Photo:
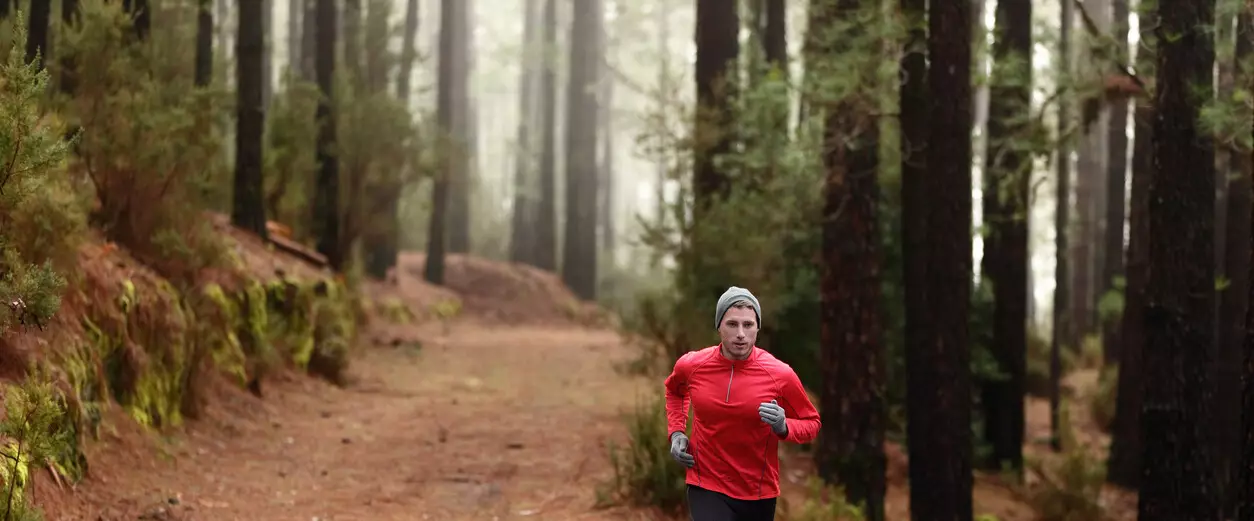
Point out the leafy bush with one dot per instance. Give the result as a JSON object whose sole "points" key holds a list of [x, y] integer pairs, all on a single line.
{"points": [[33, 433], [644, 473], [1103, 400], [1071, 485], [39, 219], [152, 145], [822, 503]]}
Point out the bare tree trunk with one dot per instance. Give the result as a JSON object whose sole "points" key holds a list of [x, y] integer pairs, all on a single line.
{"points": [[248, 210], [1006, 199], [1124, 463], [326, 207], [938, 368], [522, 238], [579, 259], [546, 214], [1178, 472]]}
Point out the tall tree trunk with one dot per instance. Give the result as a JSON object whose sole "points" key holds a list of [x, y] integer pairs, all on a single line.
{"points": [[6, 6], [938, 369], [1178, 475], [267, 52], [851, 357], [579, 259], [69, 69], [458, 216], [295, 14], [204, 43], [775, 35], [1116, 177], [522, 238], [451, 86], [718, 51], [546, 211], [1235, 298], [1124, 464], [354, 57], [606, 168], [1063, 329], [1006, 198], [141, 13], [326, 207], [37, 33], [383, 247], [309, 41], [248, 211]]}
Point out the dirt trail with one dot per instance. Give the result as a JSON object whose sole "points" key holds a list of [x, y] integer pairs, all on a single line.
{"points": [[484, 423]]}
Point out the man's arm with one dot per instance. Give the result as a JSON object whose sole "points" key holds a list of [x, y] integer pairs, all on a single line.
{"points": [[677, 397], [802, 417]]}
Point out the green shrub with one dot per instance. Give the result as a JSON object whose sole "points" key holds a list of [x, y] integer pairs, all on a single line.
{"points": [[644, 473], [1103, 400]]}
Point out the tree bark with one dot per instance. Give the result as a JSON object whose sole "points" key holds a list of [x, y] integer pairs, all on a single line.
{"points": [[938, 392], [326, 207], [718, 51], [1124, 464], [546, 211], [1178, 475], [1006, 199], [1116, 177], [579, 259], [37, 32], [850, 448], [248, 210]]}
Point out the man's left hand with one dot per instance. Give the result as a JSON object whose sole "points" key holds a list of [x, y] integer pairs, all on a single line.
{"points": [[772, 414]]}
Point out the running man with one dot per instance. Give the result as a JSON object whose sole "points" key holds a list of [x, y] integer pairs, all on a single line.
{"points": [[745, 401]]}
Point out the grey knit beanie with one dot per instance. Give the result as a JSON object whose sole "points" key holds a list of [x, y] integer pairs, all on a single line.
{"points": [[732, 295]]}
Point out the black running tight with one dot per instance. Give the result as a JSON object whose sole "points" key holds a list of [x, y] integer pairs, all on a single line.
{"points": [[707, 505]]}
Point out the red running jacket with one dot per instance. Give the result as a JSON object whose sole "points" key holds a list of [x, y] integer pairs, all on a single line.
{"points": [[736, 453]]}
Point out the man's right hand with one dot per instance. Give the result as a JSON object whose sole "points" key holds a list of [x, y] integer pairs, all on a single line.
{"points": [[679, 450]]}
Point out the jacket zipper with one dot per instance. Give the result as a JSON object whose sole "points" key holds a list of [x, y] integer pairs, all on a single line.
{"points": [[727, 399]]}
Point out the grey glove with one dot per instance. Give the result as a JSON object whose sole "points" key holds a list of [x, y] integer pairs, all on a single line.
{"points": [[772, 414], [679, 450]]}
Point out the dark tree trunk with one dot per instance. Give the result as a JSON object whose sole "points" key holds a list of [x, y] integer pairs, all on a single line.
{"points": [[1236, 298], [938, 368], [1116, 177], [1178, 474], [1124, 465], [6, 6], [354, 57], [775, 34], [605, 217], [579, 252], [718, 49], [37, 33], [457, 217], [546, 212], [204, 42], [522, 238], [1063, 329], [309, 41], [295, 15], [142, 16], [449, 87], [69, 69], [851, 445], [383, 247], [326, 207], [248, 210], [1006, 198], [914, 198]]}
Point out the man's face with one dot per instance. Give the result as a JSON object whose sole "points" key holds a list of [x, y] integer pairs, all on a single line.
{"points": [[738, 332]]}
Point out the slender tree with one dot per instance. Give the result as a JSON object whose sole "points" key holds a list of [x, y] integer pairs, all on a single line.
{"points": [[326, 207], [938, 368], [248, 209], [1007, 173]]}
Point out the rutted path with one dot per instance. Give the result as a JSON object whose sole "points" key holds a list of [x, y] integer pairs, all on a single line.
{"points": [[484, 423]]}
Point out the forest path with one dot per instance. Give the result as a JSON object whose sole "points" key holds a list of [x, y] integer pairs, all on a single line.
{"points": [[490, 423]]}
